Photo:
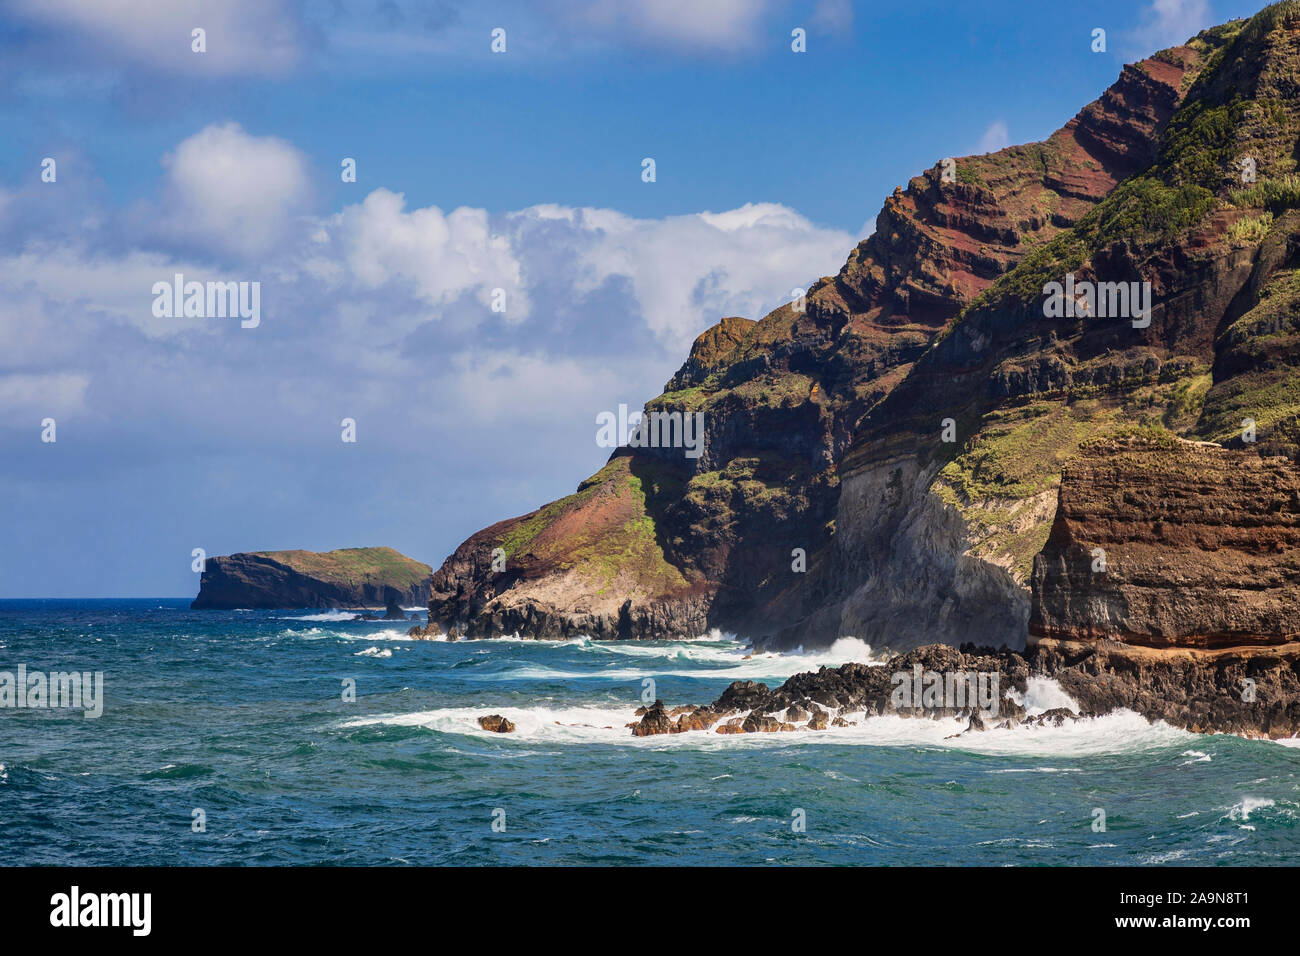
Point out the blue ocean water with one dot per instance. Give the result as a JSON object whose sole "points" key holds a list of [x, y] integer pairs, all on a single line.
{"points": [[241, 714]]}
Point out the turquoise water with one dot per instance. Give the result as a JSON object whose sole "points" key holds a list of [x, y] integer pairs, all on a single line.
{"points": [[240, 714]]}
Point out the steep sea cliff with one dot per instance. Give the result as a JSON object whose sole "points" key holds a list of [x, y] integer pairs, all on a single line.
{"points": [[905, 428]]}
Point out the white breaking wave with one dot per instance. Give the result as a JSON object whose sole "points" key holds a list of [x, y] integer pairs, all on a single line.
{"points": [[1241, 812], [375, 652], [324, 616], [735, 662], [1120, 732], [1043, 694], [321, 634], [508, 639]]}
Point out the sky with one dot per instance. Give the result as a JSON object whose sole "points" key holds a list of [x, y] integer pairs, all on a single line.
{"points": [[500, 271]]}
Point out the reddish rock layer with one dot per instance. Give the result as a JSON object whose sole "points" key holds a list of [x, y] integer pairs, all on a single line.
{"points": [[1166, 543]]}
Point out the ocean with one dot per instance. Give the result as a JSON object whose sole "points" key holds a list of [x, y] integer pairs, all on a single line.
{"points": [[226, 738]]}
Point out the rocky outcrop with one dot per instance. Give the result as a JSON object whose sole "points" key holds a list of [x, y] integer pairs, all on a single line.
{"points": [[350, 577], [1166, 543], [496, 724], [588, 564], [1253, 692]]}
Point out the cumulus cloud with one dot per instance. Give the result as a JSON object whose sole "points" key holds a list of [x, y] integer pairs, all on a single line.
{"points": [[231, 191], [441, 256], [391, 304], [685, 272]]}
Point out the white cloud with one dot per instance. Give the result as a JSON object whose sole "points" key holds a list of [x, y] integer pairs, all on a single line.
{"points": [[243, 36], [86, 287], [442, 255], [996, 137], [378, 312], [1167, 23], [715, 24], [683, 272], [232, 191], [686, 272], [27, 398]]}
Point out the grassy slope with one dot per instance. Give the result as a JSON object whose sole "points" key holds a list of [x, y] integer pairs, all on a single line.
{"points": [[602, 531], [353, 566]]}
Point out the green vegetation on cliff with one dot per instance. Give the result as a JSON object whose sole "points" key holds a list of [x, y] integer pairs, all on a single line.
{"points": [[1055, 387], [355, 566], [606, 532]]}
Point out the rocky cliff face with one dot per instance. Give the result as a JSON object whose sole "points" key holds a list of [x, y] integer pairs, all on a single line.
{"points": [[660, 545], [883, 459], [950, 487], [1164, 543], [351, 577]]}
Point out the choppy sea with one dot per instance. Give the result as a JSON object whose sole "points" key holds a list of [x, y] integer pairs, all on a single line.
{"points": [[226, 738]]}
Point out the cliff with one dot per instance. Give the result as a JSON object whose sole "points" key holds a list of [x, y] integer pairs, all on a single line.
{"points": [[937, 527], [885, 461], [350, 577], [1164, 543], [658, 545]]}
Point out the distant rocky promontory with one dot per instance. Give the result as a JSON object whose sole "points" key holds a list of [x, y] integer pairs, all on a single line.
{"points": [[348, 577]]}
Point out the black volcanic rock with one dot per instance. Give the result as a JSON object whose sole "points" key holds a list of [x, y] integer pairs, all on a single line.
{"points": [[1250, 691], [350, 577]]}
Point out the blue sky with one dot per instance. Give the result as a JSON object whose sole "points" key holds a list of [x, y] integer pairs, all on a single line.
{"points": [[476, 171]]}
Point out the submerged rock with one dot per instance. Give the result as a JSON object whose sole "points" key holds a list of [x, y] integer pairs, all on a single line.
{"points": [[1054, 717]]}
